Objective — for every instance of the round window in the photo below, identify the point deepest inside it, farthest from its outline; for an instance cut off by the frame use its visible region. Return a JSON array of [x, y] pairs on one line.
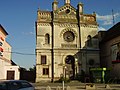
[[67, 11], [69, 36]]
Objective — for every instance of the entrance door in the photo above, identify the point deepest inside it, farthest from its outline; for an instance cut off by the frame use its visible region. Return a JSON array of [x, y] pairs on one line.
[[70, 63], [10, 75]]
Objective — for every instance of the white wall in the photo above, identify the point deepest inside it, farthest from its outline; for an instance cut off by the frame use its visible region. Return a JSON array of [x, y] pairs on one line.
[[13, 68], [2, 74]]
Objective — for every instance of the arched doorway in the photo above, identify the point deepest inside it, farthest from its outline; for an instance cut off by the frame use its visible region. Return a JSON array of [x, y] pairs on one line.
[[70, 64]]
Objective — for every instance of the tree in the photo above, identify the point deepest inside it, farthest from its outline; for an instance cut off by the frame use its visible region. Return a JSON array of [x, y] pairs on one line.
[[33, 68]]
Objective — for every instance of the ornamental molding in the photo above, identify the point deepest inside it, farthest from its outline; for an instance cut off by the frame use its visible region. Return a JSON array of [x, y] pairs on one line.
[[66, 7], [88, 25], [66, 17], [68, 25], [43, 24], [44, 14]]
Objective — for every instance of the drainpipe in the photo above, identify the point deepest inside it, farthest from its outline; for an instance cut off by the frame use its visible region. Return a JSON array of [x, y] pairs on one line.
[[52, 51]]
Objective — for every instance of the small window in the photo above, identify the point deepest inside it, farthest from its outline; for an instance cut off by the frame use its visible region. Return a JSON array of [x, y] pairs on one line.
[[43, 59], [1, 43], [47, 39], [89, 41], [45, 71], [1, 54]]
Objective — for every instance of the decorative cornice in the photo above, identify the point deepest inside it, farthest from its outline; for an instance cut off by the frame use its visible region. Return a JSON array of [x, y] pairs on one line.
[[67, 25], [88, 25], [43, 24], [44, 16]]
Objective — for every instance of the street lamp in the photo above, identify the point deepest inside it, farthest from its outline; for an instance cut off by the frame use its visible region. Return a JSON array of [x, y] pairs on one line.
[[65, 72], [64, 75]]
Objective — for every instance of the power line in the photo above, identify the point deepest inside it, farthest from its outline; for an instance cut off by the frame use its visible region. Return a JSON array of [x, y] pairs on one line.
[[20, 53], [23, 53]]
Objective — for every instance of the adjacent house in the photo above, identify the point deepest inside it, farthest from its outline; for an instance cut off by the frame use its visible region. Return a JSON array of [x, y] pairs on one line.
[[8, 70], [110, 50]]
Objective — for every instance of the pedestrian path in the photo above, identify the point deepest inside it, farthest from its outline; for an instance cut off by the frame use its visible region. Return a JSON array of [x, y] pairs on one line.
[[76, 86]]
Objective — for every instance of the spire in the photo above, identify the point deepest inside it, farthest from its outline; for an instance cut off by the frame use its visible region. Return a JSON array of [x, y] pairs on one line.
[[80, 7], [67, 1], [55, 5], [38, 14]]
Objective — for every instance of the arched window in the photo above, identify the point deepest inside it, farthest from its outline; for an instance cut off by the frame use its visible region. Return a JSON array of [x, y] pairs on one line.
[[89, 41], [47, 39]]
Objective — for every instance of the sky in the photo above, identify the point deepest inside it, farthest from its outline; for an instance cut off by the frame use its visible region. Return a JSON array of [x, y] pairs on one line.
[[18, 18]]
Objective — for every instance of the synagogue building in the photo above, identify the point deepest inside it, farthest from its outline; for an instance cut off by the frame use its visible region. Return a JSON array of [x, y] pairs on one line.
[[66, 42]]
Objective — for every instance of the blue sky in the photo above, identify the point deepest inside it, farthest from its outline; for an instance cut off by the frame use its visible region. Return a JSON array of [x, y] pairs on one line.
[[18, 18]]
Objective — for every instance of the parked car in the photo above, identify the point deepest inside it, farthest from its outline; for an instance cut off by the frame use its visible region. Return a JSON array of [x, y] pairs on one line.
[[15, 85]]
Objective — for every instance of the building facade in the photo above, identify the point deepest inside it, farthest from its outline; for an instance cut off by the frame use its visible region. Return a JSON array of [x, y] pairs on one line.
[[7, 70], [110, 50], [66, 42]]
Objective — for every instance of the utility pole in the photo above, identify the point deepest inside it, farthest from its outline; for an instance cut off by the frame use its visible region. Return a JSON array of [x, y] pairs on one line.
[[113, 17]]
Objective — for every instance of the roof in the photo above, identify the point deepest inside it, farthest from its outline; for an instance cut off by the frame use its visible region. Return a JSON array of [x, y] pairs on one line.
[[13, 63], [3, 29], [113, 32]]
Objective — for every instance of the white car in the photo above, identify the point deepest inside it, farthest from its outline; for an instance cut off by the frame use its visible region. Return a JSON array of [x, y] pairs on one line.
[[15, 85]]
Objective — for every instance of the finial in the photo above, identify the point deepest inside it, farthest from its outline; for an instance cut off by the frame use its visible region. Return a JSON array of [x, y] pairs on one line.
[[55, 5], [55, 0], [80, 3], [67, 1]]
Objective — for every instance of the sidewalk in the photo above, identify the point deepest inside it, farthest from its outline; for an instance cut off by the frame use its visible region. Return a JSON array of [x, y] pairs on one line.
[[75, 85]]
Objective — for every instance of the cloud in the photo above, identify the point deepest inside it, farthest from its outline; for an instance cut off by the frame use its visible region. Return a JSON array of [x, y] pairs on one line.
[[101, 29], [28, 33], [31, 33], [107, 19]]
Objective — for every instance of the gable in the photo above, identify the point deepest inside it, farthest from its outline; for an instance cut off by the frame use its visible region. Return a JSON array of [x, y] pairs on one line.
[[66, 10], [66, 14]]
